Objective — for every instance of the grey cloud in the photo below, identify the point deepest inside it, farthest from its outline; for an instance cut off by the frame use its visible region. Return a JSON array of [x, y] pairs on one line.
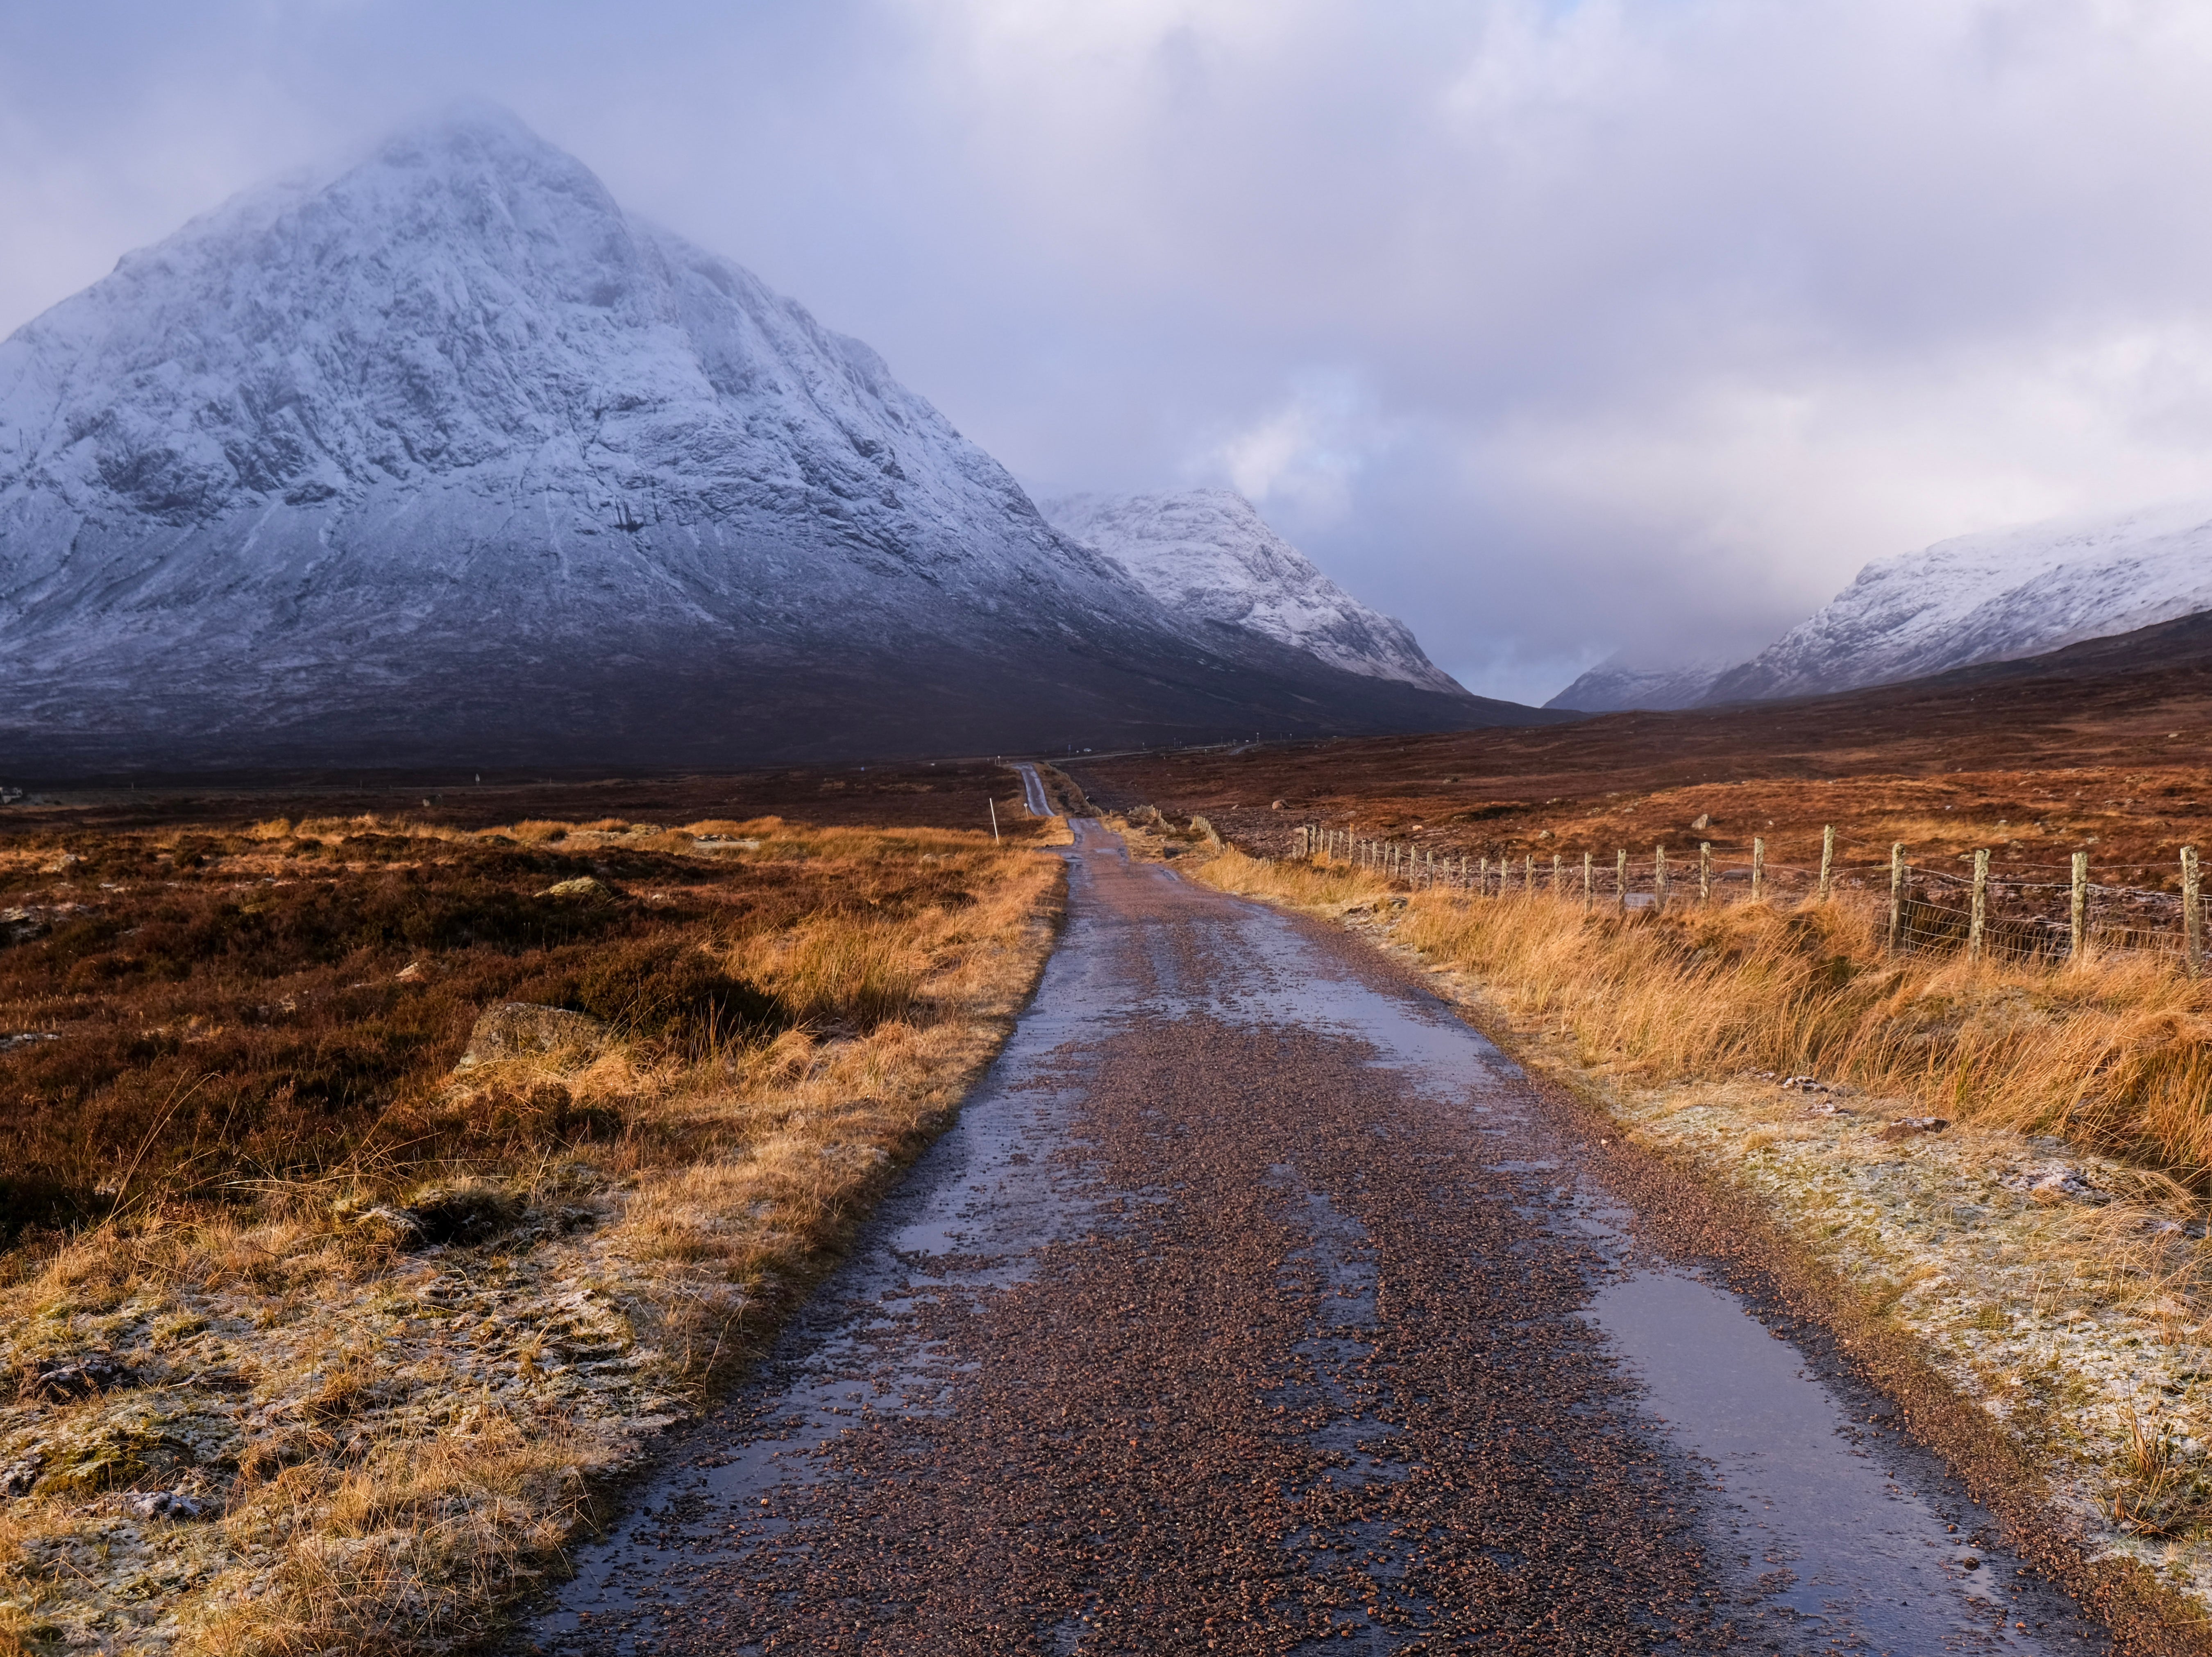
[[1554, 328]]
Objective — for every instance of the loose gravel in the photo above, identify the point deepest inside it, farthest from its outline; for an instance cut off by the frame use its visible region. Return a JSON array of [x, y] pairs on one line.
[[1250, 1308]]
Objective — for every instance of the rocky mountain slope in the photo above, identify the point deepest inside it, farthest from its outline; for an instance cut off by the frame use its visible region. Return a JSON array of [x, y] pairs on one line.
[[449, 458], [1614, 685], [1990, 597], [1206, 553]]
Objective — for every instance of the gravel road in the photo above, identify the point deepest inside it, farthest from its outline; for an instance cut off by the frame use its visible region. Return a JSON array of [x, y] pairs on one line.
[[1258, 1304]]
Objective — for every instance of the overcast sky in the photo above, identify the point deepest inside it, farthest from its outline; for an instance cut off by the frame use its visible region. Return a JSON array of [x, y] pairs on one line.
[[1555, 329]]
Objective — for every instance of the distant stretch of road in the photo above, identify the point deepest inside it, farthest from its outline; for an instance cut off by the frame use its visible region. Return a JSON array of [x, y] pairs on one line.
[[1033, 794]]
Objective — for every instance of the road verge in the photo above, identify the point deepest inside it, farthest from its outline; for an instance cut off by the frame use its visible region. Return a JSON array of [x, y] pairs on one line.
[[2045, 1303], [351, 1378]]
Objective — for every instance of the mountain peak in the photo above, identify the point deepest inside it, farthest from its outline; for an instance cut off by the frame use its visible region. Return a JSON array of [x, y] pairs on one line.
[[1207, 554], [449, 455], [1990, 597]]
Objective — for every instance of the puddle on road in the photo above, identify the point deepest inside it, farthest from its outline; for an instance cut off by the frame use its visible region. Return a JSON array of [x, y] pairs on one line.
[[1341, 1258], [1871, 1564]]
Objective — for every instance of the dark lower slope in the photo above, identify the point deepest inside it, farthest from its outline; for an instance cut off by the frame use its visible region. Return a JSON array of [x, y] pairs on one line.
[[2184, 643], [673, 700], [2128, 717]]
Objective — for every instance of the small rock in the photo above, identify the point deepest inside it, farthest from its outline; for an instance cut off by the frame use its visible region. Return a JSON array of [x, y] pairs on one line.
[[169, 1504], [404, 1222], [441, 1218], [1704, 821], [25, 1038], [412, 973], [2054, 1185], [1906, 1127], [1829, 1108], [78, 1378]]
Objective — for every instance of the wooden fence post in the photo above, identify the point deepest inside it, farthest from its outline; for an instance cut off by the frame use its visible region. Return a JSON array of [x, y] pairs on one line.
[[1758, 870], [1981, 906], [1896, 891], [1559, 881], [2078, 914], [1658, 877], [1705, 871], [1620, 880], [1528, 874], [1589, 887], [1827, 858], [2192, 912], [1482, 878]]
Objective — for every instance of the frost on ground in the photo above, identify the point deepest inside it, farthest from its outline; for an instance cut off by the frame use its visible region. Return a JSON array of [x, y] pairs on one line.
[[463, 1396], [361, 1410], [2069, 1295]]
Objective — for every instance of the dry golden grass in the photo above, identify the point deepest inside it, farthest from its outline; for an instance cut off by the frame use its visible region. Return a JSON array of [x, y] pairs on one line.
[[2114, 1055], [390, 1440]]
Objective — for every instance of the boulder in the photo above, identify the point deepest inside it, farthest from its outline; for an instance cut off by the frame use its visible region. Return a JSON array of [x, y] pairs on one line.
[[518, 1030], [586, 887]]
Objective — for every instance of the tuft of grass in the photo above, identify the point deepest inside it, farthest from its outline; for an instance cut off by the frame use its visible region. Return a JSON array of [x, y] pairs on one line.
[[838, 970]]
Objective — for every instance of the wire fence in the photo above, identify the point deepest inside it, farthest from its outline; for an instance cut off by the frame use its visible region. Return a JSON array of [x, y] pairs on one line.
[[2049, 913]]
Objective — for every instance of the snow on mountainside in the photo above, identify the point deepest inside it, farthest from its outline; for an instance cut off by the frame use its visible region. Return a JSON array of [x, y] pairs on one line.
[[1206, 554], [448, 455], [1990, 597], [1614, 686]]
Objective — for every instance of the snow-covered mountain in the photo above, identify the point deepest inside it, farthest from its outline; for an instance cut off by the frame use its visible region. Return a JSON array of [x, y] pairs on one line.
[[1206, 554], [1991, 597], [447, 457], [1615, 685]]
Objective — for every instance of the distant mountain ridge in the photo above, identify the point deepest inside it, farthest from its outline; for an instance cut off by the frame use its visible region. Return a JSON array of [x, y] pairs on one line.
[[1996, 596], [1207, 553], [447, 458], [1990, 597], [1614, 686]]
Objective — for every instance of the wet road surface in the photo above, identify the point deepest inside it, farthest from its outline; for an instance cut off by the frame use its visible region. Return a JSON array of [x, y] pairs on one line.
[[1033, 794], [1258, 1304]]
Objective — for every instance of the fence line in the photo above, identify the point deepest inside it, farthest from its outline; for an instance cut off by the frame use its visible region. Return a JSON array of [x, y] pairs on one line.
[[1988, 914]]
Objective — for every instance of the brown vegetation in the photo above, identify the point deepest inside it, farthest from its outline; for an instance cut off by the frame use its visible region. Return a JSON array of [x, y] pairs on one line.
[[2032, 768], [952, 793], [314, 1338]]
